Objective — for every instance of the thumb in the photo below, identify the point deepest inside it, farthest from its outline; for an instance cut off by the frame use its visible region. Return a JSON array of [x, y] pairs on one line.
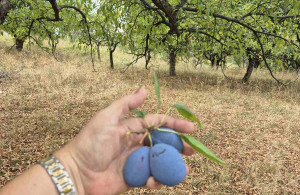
[[127, 103]]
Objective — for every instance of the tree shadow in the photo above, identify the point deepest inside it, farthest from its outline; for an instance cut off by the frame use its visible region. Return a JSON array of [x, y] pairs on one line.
[[205, 81]]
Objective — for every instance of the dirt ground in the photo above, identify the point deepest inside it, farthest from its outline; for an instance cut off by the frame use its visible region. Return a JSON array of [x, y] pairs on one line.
[[254, 128]]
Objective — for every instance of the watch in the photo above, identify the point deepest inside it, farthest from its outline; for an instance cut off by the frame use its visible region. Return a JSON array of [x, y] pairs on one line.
[[59, 175]]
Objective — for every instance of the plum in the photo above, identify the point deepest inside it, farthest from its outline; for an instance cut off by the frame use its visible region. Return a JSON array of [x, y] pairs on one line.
[[137, 169], [167, 138], [167, 165]]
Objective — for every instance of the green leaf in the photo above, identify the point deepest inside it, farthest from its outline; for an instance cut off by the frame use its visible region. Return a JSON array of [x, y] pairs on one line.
[[198, 146], [139, 113], [157, 89], [186, 113]]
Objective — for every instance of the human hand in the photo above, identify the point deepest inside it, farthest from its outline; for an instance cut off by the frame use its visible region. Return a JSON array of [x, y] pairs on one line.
[[96, 157]]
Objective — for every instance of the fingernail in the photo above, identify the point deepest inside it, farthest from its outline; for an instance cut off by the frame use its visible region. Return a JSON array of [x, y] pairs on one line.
[[137, 91]]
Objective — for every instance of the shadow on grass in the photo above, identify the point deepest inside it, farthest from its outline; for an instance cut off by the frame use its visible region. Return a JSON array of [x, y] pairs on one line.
[[260, 85], [206, 80]]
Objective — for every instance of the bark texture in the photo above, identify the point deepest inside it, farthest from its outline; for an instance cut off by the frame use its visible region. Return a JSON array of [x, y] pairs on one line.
[[19, 44], [111, 59], [98, 52], [254, 62], [111, 55], [172, 63]]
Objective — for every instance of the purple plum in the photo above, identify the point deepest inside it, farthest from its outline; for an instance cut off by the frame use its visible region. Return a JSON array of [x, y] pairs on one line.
[[167, 165], [167, 138], [137, 169]]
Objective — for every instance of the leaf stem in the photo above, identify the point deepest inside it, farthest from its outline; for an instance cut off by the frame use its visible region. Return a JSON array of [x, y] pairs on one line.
[[145, 135], [162, 121], [166, 130], [150, 140]]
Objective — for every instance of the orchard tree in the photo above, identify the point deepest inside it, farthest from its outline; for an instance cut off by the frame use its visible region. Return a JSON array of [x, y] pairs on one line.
[[110, 26], [5, 6], [267, 32], [36, 21], [261, 19], [144, 36]]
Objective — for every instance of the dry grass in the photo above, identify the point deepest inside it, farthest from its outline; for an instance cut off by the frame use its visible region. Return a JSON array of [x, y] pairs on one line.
[[254, 128]]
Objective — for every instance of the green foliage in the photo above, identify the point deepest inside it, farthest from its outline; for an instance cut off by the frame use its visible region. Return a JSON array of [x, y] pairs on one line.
[[140, 114], [186, 113], [193, 29], [198, 146], [35, 21], [214, 27]]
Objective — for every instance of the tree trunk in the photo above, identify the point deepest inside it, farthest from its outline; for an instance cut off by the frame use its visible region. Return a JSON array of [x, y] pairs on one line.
[[249, 69], [111, 58], [256, 61], [19, 44], [298, 67], [98, 52], [218, 63], [172, 63], [112, 49], [5, 6], [212, 62]]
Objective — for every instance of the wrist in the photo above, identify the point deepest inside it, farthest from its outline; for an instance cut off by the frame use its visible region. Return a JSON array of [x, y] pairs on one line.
[[66, 158]]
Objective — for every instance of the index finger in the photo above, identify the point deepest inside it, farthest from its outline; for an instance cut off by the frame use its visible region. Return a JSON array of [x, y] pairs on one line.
[[123, 106], [179, 125]]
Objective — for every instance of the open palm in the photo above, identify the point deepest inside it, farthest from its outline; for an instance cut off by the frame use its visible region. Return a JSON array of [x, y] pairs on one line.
[[102, 147]]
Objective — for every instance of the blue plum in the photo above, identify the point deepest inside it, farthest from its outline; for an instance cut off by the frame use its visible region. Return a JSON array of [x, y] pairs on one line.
[[137, 169], [167, 165], [167, 138]]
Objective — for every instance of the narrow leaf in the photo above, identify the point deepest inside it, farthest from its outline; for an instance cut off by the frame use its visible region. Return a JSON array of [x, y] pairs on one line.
[[186, 113], [157, 89], [198, 146], [139, 113]]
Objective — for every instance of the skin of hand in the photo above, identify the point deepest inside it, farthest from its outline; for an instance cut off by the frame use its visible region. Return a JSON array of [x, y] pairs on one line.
[[96, 156]]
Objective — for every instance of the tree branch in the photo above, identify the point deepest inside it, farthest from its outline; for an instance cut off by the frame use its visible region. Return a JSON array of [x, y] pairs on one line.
[[55, 9]]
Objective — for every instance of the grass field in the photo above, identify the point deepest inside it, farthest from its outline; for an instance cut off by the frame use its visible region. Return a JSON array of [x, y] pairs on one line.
[[254, 128]]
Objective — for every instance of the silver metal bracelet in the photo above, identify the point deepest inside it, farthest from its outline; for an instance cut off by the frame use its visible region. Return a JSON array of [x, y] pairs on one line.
[[59, 175]]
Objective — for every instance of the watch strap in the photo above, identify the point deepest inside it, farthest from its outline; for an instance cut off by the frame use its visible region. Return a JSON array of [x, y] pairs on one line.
[[59, 175]]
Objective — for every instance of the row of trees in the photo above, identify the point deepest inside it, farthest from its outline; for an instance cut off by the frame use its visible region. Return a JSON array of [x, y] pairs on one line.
[[265, 32]]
